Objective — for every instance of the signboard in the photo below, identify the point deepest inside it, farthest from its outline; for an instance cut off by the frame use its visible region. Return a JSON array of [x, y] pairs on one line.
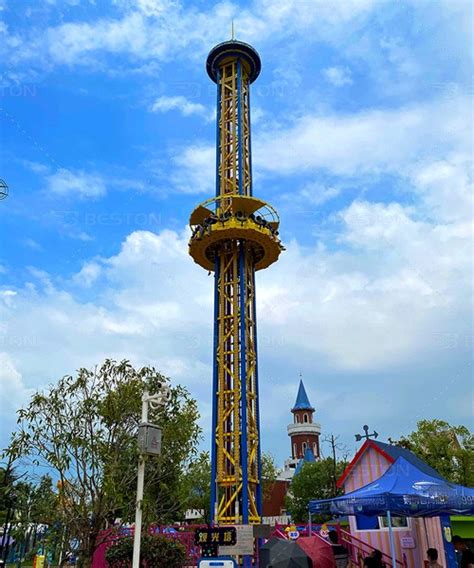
[[292, 532], [222, 536], [293, 535], [209, 539], [324, 531], [245, 541], [149, 439], [221, 562], [407, 542]]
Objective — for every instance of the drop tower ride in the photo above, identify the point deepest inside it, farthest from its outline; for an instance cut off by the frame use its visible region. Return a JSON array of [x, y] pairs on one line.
[[234, 234]]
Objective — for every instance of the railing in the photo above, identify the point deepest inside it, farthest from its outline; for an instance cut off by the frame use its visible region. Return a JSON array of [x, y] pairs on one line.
[[359, 549]]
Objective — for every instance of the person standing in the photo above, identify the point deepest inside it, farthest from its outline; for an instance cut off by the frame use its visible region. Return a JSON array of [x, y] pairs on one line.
[[432, 555], [374, 560], [341, 556], [463, 553]]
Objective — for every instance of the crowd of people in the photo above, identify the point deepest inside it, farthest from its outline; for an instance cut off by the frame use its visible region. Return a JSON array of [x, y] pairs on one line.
[[200, 230]]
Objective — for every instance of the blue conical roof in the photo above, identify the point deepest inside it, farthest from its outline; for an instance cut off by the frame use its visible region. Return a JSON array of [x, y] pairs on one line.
[[308, 458], [302, 400]]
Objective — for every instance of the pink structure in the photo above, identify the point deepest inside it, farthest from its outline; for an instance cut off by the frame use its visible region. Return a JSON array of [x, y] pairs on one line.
[[412, 536], [185, 537]]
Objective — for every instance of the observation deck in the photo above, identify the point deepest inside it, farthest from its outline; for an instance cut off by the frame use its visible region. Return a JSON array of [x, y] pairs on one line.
[[230, 218]]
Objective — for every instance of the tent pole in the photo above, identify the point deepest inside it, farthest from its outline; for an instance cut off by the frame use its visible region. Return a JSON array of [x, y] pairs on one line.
[[310, 526], [426, 533], [392, 540]]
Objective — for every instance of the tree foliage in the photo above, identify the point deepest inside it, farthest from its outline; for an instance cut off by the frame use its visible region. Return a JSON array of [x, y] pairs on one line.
[[197, 485], [7, 482], [447, 449], [313, 481], [269, 475], [157, 551], [85, 428]]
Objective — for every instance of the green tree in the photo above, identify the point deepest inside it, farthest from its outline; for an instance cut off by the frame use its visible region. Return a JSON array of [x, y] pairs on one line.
[[44, 502], [197, 483], [7, 482], [315, 480], [85, 429], [447, 449], [197, 486], [157, 551], [269, 474], [35, 508]]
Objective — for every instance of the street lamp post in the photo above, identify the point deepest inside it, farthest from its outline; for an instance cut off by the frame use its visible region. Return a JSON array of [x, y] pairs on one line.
[[149, 441]]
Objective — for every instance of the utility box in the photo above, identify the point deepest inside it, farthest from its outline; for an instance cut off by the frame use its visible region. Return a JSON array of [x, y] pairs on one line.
[[149, 439]]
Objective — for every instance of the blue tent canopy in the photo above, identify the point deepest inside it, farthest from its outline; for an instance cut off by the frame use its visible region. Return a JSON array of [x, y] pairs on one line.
[[404, 490]]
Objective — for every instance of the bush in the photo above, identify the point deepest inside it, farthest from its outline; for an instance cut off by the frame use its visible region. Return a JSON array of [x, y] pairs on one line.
[[157, 551]]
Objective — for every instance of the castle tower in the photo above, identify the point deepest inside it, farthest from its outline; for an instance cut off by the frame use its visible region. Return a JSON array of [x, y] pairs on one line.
[[304, 432], [233, 235]]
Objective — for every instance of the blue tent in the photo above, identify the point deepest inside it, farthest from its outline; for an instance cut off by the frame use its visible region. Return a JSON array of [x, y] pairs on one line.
[[404, 490]]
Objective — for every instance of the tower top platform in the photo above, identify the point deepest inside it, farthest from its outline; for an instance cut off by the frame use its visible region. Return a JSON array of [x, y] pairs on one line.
[[233, 48]]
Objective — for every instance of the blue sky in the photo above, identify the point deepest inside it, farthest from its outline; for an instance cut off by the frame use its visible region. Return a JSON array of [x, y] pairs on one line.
[[362, 139]]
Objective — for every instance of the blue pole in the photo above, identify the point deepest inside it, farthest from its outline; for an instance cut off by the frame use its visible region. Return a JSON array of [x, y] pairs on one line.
[[392, 539], [257, 393], [215, 378], [247, 560], [218, 136], [243, 390], [215, 387], [239, 120], [250, 142]]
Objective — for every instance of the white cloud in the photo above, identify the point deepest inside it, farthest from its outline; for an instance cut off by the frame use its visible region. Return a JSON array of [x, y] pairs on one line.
[[434, 180], [12, 388], [159, 30], [194, 169], [406, 141], [338, 76], [88, 274], [32, 244], [314, 194], [368, 141], [7, 296], [75, 183], [180, 103]]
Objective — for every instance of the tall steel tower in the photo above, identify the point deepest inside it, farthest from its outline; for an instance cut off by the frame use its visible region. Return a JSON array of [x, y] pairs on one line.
[[234, 234]]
